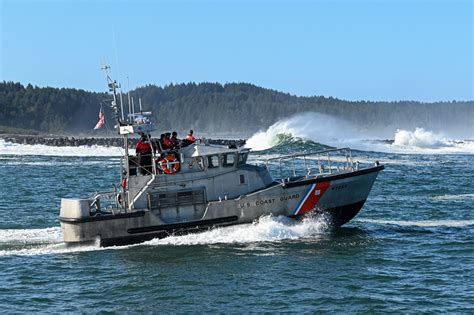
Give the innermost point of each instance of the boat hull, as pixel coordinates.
(339, 197)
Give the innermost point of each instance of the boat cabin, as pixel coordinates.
(217, 172)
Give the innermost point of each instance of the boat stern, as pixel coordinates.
(71, 213)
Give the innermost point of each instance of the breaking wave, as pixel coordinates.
(316, 127)
(330, 131)
(418, 138)
(32, 242)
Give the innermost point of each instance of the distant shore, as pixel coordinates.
(63, 141)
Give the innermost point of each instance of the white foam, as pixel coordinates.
(419, 138)
(422, 223)
(8, 148)
(428, 142)
(33, 242)
(112, 162)
(455, 197)
(266, 229)
(48, 250)
(24, 236)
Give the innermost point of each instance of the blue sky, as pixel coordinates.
(356, 50)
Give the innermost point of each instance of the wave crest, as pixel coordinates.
(316, 127)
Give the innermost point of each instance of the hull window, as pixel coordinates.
(242, 179)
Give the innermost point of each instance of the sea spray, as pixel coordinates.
(266, 229)
(419, 138)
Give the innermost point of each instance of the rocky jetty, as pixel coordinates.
(86, 141)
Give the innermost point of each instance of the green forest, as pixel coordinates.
(212, 107)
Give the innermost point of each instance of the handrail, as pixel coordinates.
(323, 157)
(308, 153)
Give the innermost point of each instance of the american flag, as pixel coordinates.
(101, 121)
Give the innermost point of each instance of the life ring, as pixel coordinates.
(169, 164)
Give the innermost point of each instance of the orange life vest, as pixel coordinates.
(190, 137)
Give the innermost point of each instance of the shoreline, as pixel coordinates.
(70, 141)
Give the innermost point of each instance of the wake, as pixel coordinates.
(34, 242)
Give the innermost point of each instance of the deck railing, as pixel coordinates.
(310, 163)
(110, 202)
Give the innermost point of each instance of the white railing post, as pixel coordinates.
(352, 161)
(319, 165)
(329, 163)
(281, 173)
(306, 165)
(294, 167)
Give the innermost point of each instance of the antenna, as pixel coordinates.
(121, 103)
(133, 109)
(113, 85)
(129, 102)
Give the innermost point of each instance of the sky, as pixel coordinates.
(354, 50)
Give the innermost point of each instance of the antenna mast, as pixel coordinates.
(113, 86)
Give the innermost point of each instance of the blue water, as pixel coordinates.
(411, 249)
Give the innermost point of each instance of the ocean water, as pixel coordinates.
(411, 249)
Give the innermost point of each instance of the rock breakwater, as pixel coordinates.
(59, 141)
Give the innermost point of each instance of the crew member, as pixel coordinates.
(166, 143)
(174, 139)
(190, 136)
(124, 187)
(124, 180)
(143, 150)
(157, 146)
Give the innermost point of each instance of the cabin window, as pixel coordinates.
(200, 162)
(242, 179)
(242, 158)
(213, 161)
(228, 159)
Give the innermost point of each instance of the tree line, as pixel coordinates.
(213, 107)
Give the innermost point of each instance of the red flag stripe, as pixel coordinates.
(312, 197)
(101, 121)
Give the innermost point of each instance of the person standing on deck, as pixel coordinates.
(190, 136)
(143, 151)
(174, 139)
